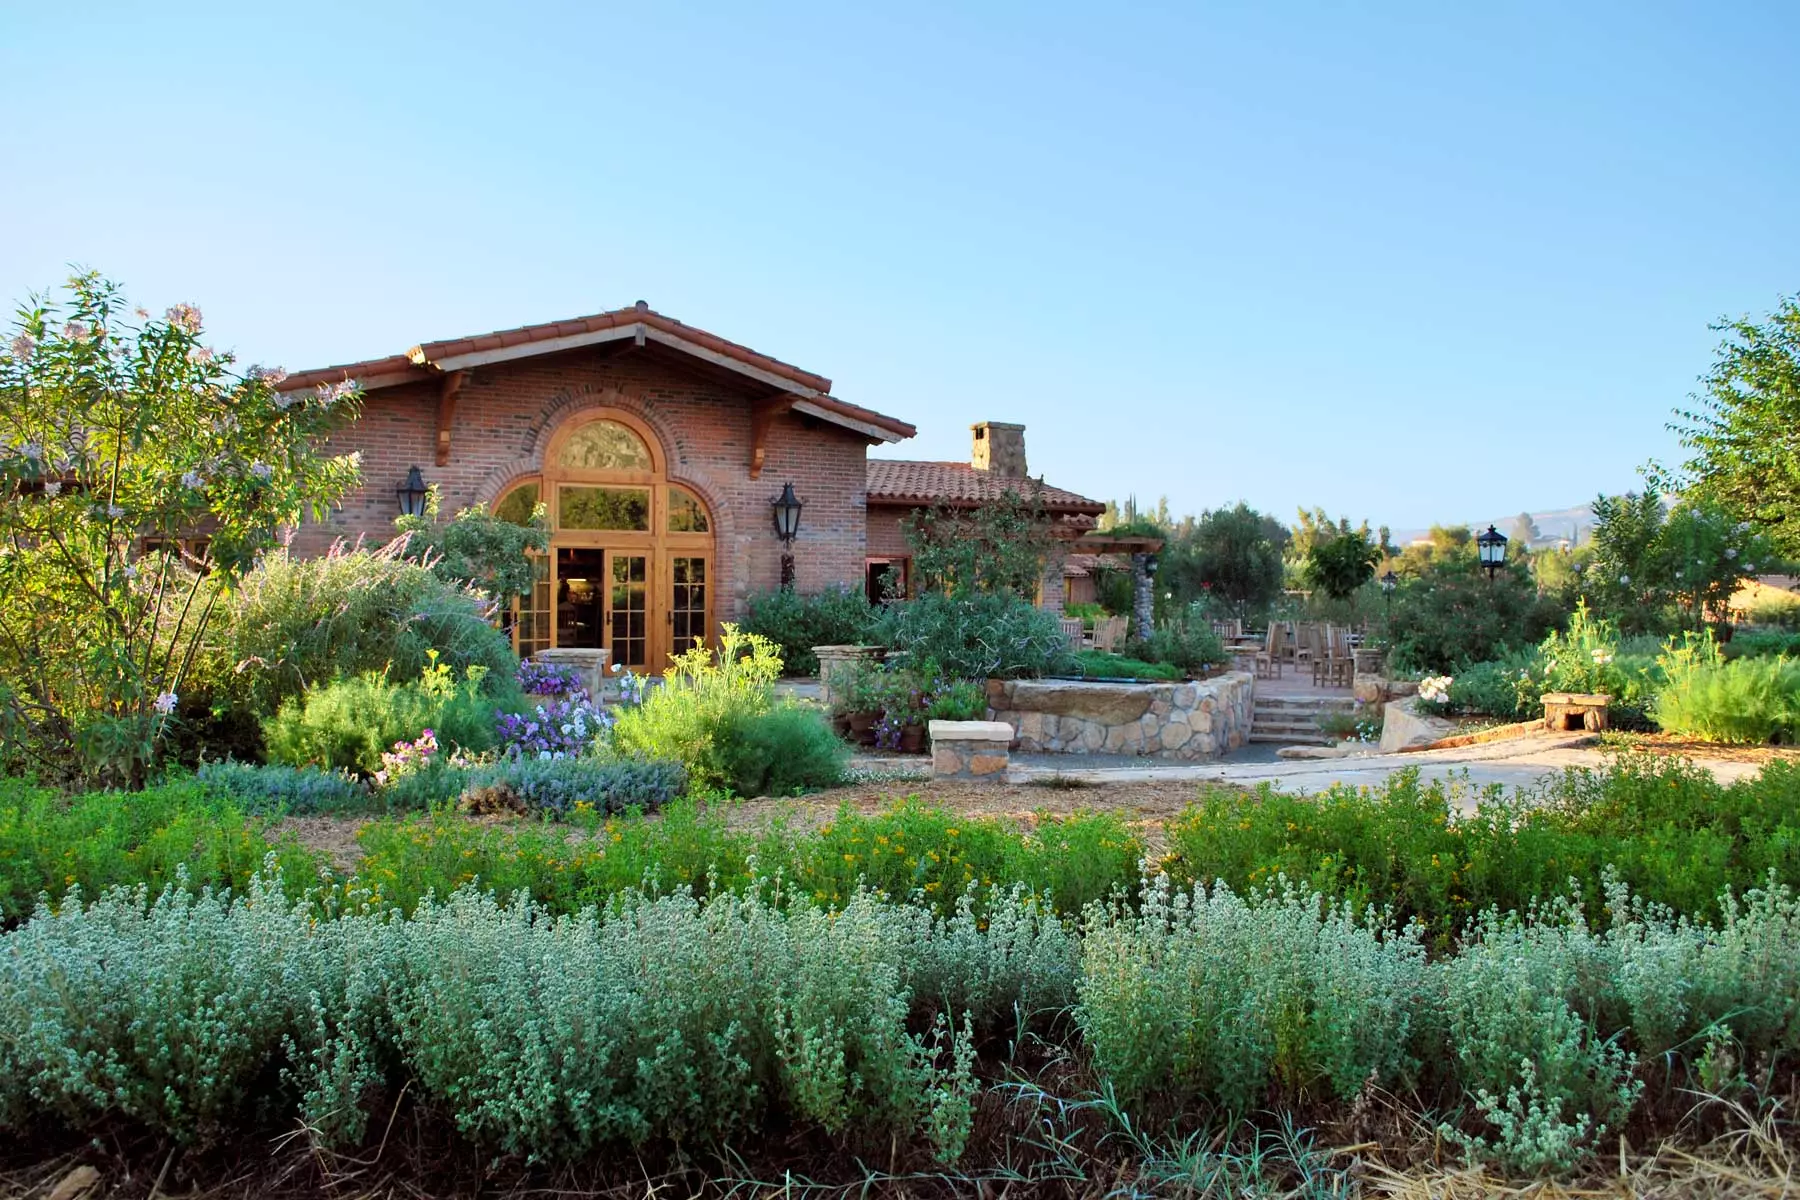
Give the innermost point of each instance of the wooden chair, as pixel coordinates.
(1268, 660)
(1336, 666)
(1108, 633)
(1071, 627)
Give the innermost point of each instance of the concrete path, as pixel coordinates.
(1515, 763)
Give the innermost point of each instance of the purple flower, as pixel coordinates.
(23, 345)
(184, 317)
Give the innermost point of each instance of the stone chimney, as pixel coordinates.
(1000, 448)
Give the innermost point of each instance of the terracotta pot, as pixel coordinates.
(862, 726)
(912, 739)
(840, 724)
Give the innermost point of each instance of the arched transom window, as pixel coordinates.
(630, 561)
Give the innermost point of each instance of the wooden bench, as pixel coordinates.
(1565, 711)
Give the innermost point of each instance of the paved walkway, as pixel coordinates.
(1515, 763)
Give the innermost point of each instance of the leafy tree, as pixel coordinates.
(1231, 555)
(1627, 582)
(1743, 435)
(1523, 532)
(476, 548)
(1450, 615)
(1444, 543)
(1000, 546)
(117, 440)
(1339, 565)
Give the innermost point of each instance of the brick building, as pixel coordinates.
(657, 449)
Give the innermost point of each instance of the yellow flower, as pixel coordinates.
(849, 858)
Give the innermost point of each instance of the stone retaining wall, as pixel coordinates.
(1186, 721)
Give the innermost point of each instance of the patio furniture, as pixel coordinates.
(1072, 629)
(1108, 633)
(1268, 662)
(1333, 664)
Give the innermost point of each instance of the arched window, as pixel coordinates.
(630, 561)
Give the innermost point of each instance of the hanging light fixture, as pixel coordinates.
(412, 494)
(786, 510)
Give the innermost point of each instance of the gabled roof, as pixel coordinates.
(898, 481)
(803, 391)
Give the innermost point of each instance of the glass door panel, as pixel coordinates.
(628, 610)
(534, 609)
(688, 584)
(580, 595)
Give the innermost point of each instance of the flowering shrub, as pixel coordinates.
(1434, 691)
(559, 729)
(406, 758)
(354, 723)
(546, 679)
(119, 438)
(276, 788)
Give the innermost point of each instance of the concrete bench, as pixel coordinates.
(1566, 711)
(970, 749)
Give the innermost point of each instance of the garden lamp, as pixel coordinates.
(787, 508)
(1492, 548)
(1389, 582)
(411, 494)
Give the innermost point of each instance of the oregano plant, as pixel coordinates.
(140, 475)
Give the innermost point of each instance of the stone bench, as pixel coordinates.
(1565, 711)
(970, 749)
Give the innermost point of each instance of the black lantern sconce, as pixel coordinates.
(786, 508)
(1492, 548)
(1389, 581)
(412, 494)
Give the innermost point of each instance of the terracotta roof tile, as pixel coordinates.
(897, 481)
(420, 362)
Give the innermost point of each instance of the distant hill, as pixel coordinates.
(1553, 524)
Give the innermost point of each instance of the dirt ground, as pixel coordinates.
(1144, 804)
(1670, 744)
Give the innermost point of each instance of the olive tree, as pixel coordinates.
(140, 475)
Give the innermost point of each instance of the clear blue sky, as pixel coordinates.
(1405, 261)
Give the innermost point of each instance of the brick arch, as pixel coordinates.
(571, 405)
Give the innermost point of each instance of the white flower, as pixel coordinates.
(1624, 579)
(284, 400)
(269, 375)
(131, 572)
(1749, 566)
(23, 345)
(1731, 552)
(114, 511)
(53, 488)
(345, 387)
(200, 356)
(77, 331)
(262, 470)
(1602, 656)
(193, 479)
(545, 755)
(185, 317)
(165, 702)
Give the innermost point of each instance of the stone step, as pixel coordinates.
(1284, 722)
(1305, 702)
(1291, 739)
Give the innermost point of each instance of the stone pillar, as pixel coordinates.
(977, 750)
(835, 660)
(1143, 597)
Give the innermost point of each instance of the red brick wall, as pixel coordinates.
(885, 538)
(507, 413)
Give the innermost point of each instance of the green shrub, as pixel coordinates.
(296, 791)
(1098, 664)
(1762, 643)
(785, 750)
(977, 636)
(299, 623)
(1671, 831)
(1744, 701)
(839, 616)
(351, 723)
(50, 844)
(1205, 996)
(564, 786)
(437, 783)
(957, 700)
(717, 716)
(1489, 689)
(1185, 641)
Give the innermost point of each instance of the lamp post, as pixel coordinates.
(786, 508)
(1389, 582)
(412, 494)
(1491, 546)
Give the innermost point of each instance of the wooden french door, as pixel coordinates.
(643, 605)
